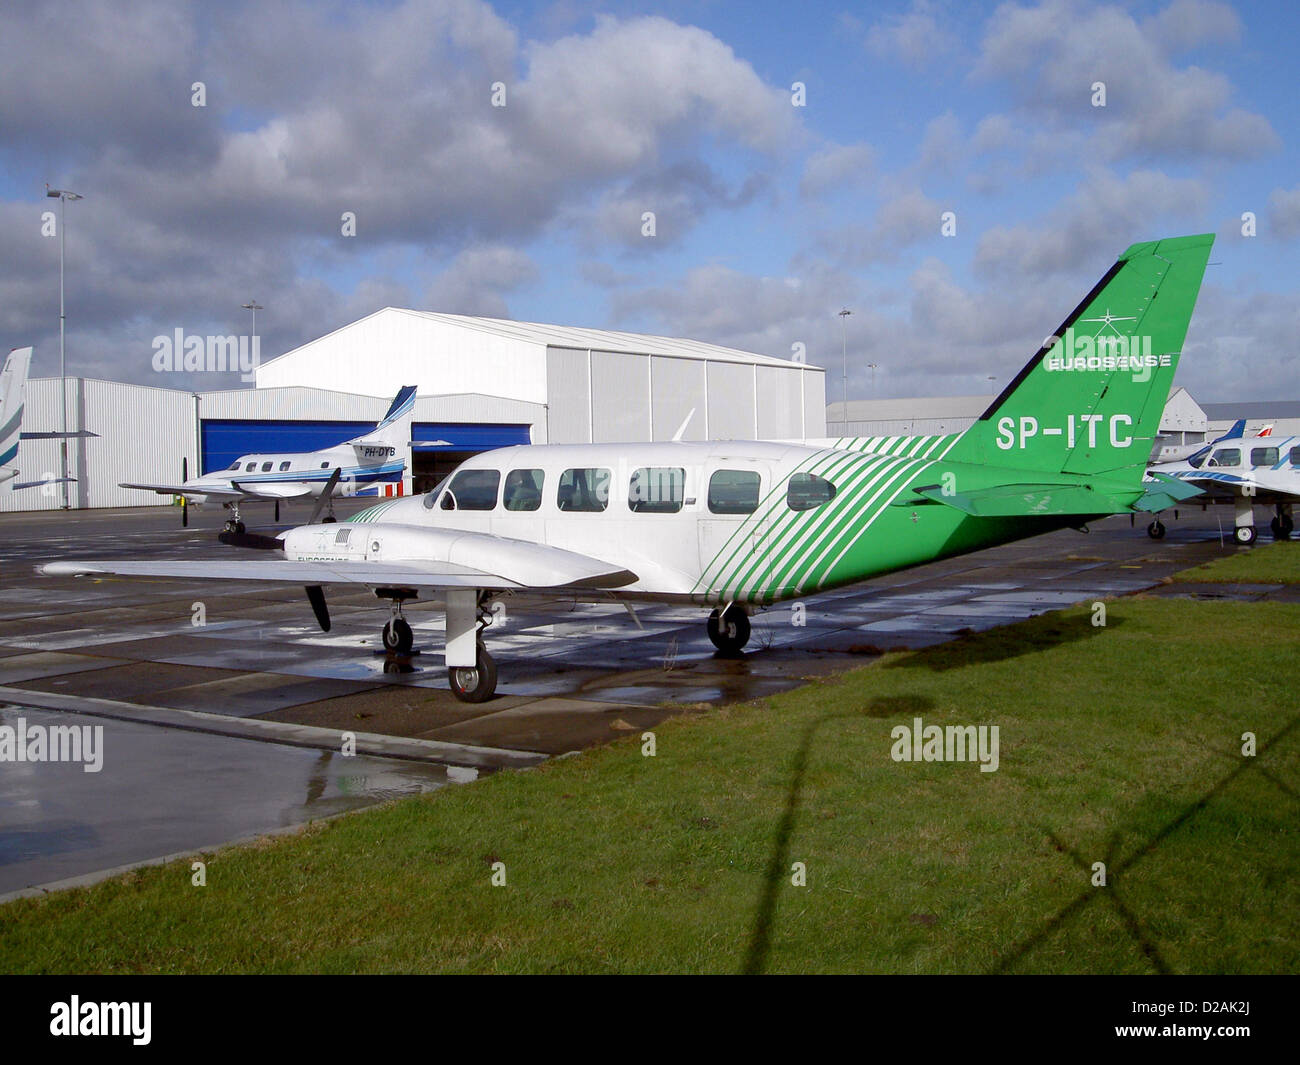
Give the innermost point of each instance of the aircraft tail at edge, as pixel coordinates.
(13, 384)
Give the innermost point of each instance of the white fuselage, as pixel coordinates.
(1265, 467)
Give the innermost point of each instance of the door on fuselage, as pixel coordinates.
(732, 523)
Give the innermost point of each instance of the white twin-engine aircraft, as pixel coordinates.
(378, 455)
(739, 525)
(1243, 470)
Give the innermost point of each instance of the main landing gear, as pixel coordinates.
(233, 524)
(1156, 530)
(729, 629)
(470, 669)
(1243, 531)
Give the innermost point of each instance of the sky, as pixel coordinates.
(732, 172)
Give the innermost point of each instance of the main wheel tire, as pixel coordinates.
(398, 637)
(474, 684)
(729, 632)
(1156, 530)
(240, 527)
(1244, 535)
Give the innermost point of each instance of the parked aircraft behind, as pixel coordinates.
(740, 525)
(1243, 471)
(1178, 452)
(375, 456)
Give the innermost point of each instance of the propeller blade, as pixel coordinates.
(326, 492)
(254, 540)
(185, 501)
(316, 597)
(277, 512)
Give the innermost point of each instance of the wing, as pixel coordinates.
(191, 490)
(549, 569)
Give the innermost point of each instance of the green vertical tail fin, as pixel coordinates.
(1091, 398)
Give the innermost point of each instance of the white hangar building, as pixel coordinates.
(595, 385)
(481, 383)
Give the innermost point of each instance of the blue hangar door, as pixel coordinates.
(226, 439)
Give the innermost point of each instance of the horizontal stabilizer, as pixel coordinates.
(1163, 491)
(71, 434)
(45, 480)
(1025, 500)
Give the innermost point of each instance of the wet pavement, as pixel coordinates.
(216, 692)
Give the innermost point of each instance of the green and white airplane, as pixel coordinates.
(739, 525)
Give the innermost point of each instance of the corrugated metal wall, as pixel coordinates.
(780, 404)
(143, 433)
(731, 401)
(678, 387)
(568, 388)
(620, 390)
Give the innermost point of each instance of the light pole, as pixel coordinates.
(63, 196)
(844, 355)
(873, 368)
(254, 306)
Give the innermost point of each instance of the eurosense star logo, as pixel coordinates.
(1109, 319)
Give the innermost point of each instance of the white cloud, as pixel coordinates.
(915, 39)
(835, 166)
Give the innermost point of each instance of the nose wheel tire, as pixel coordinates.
(398, 637)
(729, 631)
(476, 683)
(1156, 530)
(1244, 535)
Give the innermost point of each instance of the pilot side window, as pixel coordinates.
(1263, 456)
(1226, 456)
(733, 492)
(523, 490)
(806, 491)
(284, 465)
(656, 490)
(324, 465)
(233, 466)
(583, 491)
(472, 490)
(1295, 456)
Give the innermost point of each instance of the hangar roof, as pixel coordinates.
(564, 336)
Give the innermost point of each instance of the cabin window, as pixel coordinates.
(656, 490)
(733, 492)
(284, 465)
(324, 465)
(1226, 456)
(523, 490)
(583, 491)
(250, 467)
(266, 467)
(472, 490)
(806, 491)
(1263, 456)
(1295, 456)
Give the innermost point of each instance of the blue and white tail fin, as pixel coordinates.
(394, 429)
(13, 385)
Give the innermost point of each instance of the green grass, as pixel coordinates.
(1278, 563)
(1119, 744)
